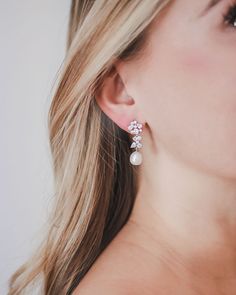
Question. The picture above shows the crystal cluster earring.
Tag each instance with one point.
(135, 128)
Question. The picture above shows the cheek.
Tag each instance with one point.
(193, 62)
(191, 106)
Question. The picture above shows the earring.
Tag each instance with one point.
(136, 128)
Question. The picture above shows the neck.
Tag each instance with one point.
(194, 213)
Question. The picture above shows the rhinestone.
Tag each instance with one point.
(139, 145)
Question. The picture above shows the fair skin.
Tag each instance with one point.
(181, 236)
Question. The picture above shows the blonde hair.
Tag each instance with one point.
(95, 185)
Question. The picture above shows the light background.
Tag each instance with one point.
(33, 36)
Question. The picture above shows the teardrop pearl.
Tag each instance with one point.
(136, 158)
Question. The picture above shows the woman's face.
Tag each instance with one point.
(186, 85)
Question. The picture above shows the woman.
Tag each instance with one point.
(145, 207)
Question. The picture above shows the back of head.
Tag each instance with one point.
(95, 185)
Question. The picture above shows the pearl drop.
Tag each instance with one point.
(136, 158)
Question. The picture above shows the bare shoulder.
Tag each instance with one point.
(121, 269)
(91, 287)
(107, 275)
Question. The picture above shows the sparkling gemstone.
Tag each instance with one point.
(133, 145)
(139, 145)
(136, 158)
(137, 138)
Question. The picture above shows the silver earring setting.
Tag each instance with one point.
(135, 128)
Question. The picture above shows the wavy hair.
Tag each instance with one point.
(95, 184)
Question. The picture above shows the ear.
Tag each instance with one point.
(115, 101)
